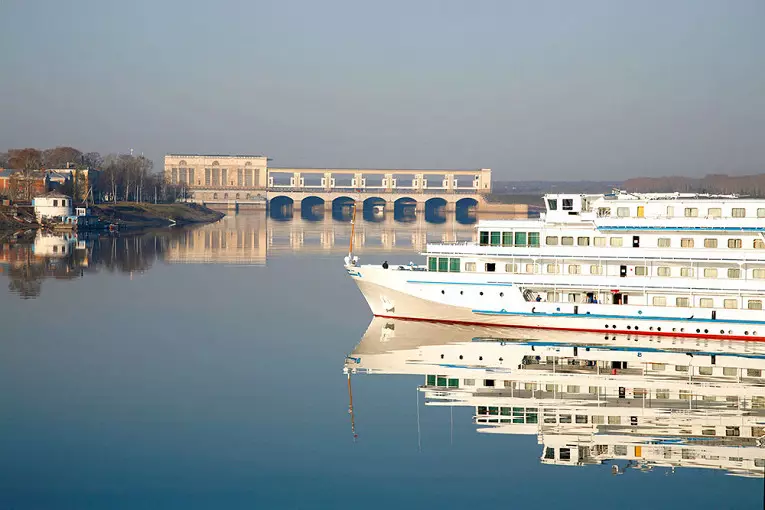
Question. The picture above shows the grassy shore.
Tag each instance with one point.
(141, 215)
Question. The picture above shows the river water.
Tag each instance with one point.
(207, 368)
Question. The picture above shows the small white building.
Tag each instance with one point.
(53, 205)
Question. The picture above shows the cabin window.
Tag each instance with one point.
(568, 204)
(454, 265)
(443, 265)
(706, 303)
(551, 296)
(567, 241)
(691, 212)
(730, 303)
(758, 244)
(484, 238)
(583, 241)
(597, 419)
(710, 272)
(705, 371)
(534, 239)
(731, 431)
(599, 241)
(432, 264)
(686, 242)
(430, 380)
(670, 211)
(664, 242)
(553, 268)
(622, 212)
(496, 238)
(469, 267)
(739, 212)
(710, 243)
(734, 273)
(469, 382)
(662, 393)
(734, 243)
(663, 271)
(686, 272)
(604, 212)
(714, 212)
(520, 238)
(730, 371)
(552, 204)
(574, 269)
(532, 268)
(753, 372)
(617, 242)
(596, 269)
(614, 420)
(681, 368)
(507, 238)
(758, 273)
(682, 302)
(641, 270)
(551, 240)
(511, 268)
(659, 301)
(754, 304)
(55, 203)
(490, 267)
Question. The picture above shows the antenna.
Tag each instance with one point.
(353, 232)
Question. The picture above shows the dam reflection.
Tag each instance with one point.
(627, 403)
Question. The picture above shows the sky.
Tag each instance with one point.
(534, 90)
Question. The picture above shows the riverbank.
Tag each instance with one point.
(132, 215)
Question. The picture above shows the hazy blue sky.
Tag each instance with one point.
(599, 89)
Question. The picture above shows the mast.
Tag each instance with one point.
(353, 232)
(350, 408)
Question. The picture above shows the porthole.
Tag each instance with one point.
(746, 332)
(674, 329)
(501, 294)
(614, 326)
(606, 337)
(629, 327)
(698, 330)
(636, 328)
(460, 356)
(606, 325)
(481, 293)
(706, 331)
(443, 292)
(442, 356)
(682, 330)
(754, 332)
(658, 329)
(722, 331)
(650, 328)
(462, 292)
(730, 331)
(480, 358)
(501, 360)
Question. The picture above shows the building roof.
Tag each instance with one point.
(181, 155)
(52, 194)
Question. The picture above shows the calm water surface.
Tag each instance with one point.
(204, 368)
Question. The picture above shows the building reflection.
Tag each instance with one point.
(634, 403)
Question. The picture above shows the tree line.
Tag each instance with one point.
(117, 177)
(750, 185)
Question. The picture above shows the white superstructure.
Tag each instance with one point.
(654, 264)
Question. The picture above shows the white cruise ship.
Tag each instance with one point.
(661, 264)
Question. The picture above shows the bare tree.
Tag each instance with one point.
(59, 157)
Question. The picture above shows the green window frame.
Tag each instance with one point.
(505, 411)
(493, 411)
(534, 239)
(431, 380)
(432, 264)
(443, 265)
(507, 238)
(496, 238)
(484, 238)
(441, 381)
(520, 238)
(454, 383)
(454, 265)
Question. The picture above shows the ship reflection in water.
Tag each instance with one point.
(633, 403)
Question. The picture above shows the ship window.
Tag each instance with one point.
(670, 211)
(686, 242)
(705, 371)
(706, 303)
(753, 372)
(574, 269)
(664, 242)
(534, 239)
(443, 265)
(759, 244)
(622, 212)
(710, 272)
(552, 204)
(662, 393)
(489, 383)
(734, 273)
(596, 269)
(549, 453)
(614, 420)
(739, 212)
(495, 238)
(431, 380)
(686, 272)
(551, 296)
(520, 238)
(691, 212)
(682, 302)
(532, 268)
(659, 367)
(454, 265)
(564, 418)
(432, 264)
(583, 241)
(567, 241)
(710, 243)
(507, 238)
(714, 212)
(491, 267)
(470, 267)
(663, 271)
(597, 419)
(681, 368)
(511, 268)
(599, 241)
(553, 268)
(484, 238)
(732, 431)
(730, 371)
(734, 243)
(754, 304)
(469, 382)
(761, 212)
(758, 273)
(604, 212)
(730, 303)
(641, 270)
(568, 204)
(551, 240)
(617, 242)
(659, 301)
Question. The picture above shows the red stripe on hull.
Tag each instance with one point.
(707, 336)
